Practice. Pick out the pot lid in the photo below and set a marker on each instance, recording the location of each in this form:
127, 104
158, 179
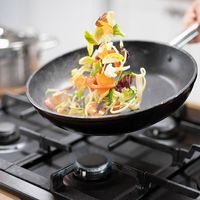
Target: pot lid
9, 38
14, 39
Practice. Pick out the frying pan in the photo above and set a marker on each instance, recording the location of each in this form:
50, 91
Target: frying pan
171, 74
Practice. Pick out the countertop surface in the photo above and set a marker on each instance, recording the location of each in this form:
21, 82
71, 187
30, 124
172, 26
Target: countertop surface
7, 196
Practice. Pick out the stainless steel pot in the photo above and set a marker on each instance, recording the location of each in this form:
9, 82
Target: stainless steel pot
20, 55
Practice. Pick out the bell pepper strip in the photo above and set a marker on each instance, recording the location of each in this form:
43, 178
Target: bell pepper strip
100, 83
80, 81
117, 64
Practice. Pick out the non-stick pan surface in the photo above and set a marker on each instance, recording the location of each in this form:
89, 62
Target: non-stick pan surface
171, 74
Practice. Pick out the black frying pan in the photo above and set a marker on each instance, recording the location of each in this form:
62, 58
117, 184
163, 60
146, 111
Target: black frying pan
171, 74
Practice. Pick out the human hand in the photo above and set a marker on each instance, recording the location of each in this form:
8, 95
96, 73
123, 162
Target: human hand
193, 15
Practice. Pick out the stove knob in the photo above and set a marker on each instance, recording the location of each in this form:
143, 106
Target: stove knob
83, 174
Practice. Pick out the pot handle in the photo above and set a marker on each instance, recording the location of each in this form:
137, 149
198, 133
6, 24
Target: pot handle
186, 36
47, 42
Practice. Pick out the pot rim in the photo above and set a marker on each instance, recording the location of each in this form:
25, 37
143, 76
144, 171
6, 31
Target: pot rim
13, 46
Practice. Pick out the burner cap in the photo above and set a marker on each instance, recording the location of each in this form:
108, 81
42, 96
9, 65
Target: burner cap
92, 167
8, 133
163, 130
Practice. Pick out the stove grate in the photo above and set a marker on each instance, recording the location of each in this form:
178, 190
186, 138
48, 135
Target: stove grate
179, 155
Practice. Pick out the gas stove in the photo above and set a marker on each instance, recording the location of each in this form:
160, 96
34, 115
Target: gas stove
41, 161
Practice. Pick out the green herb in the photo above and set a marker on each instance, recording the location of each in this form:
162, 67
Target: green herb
87, 60
90, 48
127, 73
109, 97
96, 68
90, 37
128, 93
112, 58
117, 31
79, 93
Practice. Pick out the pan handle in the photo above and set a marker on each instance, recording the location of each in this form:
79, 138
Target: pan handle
186, 36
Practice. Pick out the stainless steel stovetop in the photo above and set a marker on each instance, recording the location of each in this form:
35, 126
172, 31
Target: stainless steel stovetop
41, 161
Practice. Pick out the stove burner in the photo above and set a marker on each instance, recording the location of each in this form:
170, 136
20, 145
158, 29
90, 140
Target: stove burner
8, 133
92, 167
162, 130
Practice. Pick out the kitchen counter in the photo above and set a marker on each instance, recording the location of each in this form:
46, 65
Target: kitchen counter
7, 196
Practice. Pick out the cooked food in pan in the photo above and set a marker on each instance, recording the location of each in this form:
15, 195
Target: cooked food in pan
103, 84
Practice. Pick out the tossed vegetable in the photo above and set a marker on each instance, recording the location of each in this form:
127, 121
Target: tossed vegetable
103, 84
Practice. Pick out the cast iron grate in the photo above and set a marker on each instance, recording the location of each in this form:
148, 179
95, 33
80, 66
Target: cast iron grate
142, 181
139, 183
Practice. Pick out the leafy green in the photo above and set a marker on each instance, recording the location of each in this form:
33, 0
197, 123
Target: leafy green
79, 93
117, 31
96, 68
109, 97
90, 37
127, 73
90, 48
87, 60
112, 58
128, 93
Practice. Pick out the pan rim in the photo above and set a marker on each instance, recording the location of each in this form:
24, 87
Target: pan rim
120, 115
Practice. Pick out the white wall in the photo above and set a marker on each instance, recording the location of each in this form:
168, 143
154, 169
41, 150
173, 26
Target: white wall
64, 19
139, 19
15, 14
